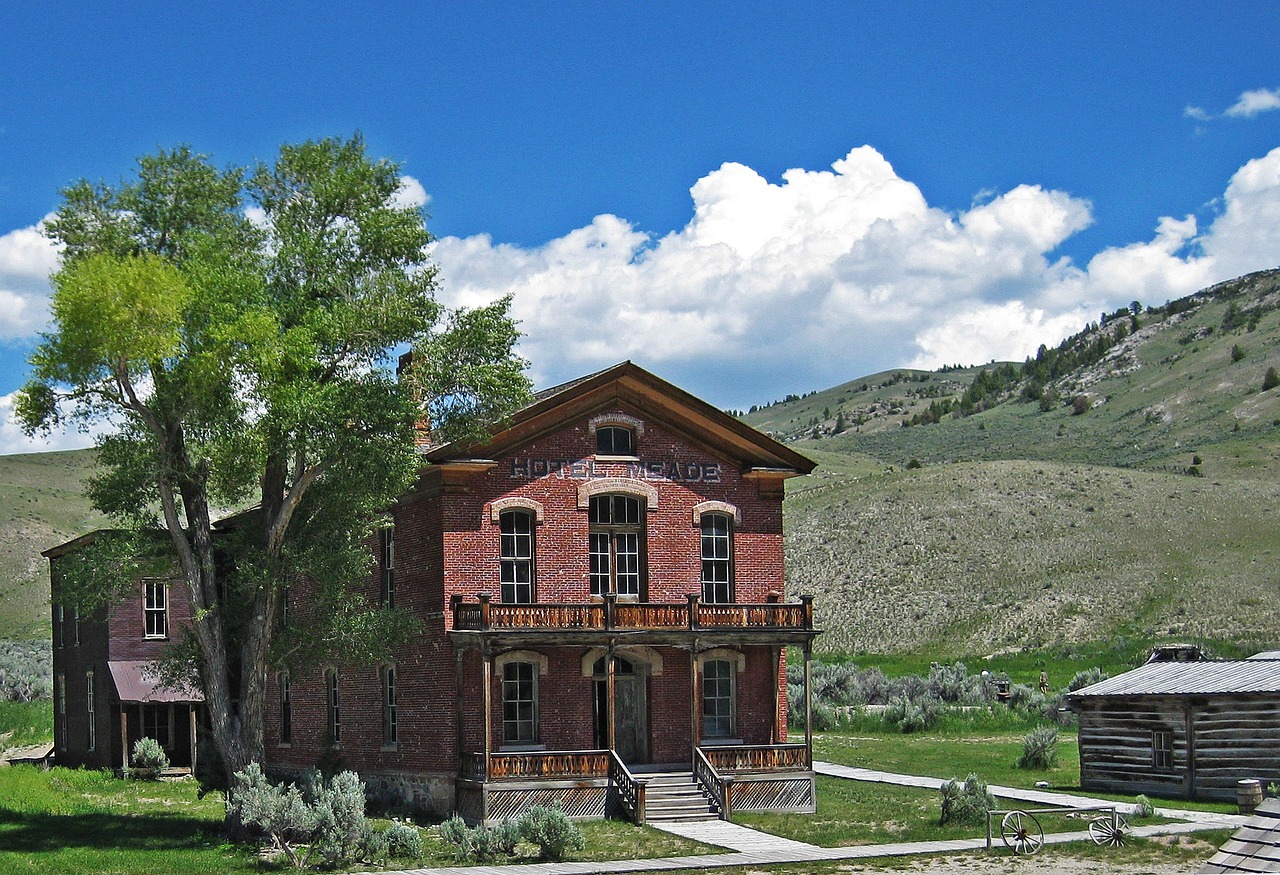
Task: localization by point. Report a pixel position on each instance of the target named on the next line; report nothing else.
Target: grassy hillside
(42, 503)
(1051, 525)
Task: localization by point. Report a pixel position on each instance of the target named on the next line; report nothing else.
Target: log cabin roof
(1208, 677)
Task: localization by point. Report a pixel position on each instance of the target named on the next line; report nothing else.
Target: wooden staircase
(675, 796)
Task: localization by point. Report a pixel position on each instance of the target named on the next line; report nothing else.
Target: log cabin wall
(1213, 742)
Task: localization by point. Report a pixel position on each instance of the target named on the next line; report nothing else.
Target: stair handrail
(630, 789)
(717, 786)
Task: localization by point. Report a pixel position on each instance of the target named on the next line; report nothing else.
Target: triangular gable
(631, 386)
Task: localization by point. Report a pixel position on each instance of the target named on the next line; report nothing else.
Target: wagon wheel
(1104, 831)
(1022, 832)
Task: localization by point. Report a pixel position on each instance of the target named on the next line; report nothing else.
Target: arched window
(517, 556)
(617, 545)
(615, 440)
(717, 698)
(717, 558)
(519, 703)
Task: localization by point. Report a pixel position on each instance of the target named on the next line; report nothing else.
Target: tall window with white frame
(717, 558)
(75, 619)
(717, 698)
(516, 562)
(334, 709)
(388, 550)
(59, 635)
(62, 711)
(286, 709)
(390, 727)
(155, 608)
(519, 703)
(617, 545)
(89, 712)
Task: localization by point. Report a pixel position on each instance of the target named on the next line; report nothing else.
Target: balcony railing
(484, 615)
(758, 757)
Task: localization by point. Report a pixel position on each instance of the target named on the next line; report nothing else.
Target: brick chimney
(422, 426)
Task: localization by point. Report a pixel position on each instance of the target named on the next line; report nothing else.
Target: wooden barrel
(1248, 795)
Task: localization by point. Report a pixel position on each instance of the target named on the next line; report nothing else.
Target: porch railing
(717, 786)
(630, 790)
(485, 615)
(758, 757)
(566, 764)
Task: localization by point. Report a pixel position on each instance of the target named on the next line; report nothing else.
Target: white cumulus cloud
(27, 258)
(1250, 103)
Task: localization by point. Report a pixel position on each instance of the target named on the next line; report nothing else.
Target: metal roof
(1267, 654)
(1255, 847)
(1190, 679)
(136, 681)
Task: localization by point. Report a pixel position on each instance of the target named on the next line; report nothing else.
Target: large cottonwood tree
(237, 328)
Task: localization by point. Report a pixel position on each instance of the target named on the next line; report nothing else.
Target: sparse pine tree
(1271, 379)
(1237, 354)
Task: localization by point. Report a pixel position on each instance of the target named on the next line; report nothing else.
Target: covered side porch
(145, 708)
(606, 720)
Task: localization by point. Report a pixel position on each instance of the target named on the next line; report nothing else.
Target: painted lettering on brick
(585, 469)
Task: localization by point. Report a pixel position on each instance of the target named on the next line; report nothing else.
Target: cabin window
(1162, 749)
(390, 729)
(717, 558)
(519, 703)
(58, 614)
(155, 608)
(616, 548)
(286, 710)
(89, 712)
(62, 711)
(614, 440)
(333, 706)
(517, 556)
(387, 549)
(717, 698)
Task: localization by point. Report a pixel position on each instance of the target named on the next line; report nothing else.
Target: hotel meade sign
(675, 471)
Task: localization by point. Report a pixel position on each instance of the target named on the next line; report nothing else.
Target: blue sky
(962, 181)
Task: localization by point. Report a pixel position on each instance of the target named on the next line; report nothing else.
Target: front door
(631, 710)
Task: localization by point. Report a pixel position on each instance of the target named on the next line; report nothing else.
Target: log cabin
(1188, 730)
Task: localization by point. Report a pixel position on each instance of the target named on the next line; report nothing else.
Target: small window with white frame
(90, 712)
(388, 550)
(334, 706)
(390, 718)
(155, 609)
(286, 709)
(1161, 749)
(615, 440)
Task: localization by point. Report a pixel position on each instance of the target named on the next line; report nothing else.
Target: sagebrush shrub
(909, 715)
(404, 840)
(148, 758)
(1086, 678)
(339, 819)
(328, 814)
(1039, 749)
(966, 803)
(552, 831)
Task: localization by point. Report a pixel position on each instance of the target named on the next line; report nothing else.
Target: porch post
(191, 730)
(808, 703)
(124, 736)
(487, 677)
(777, 731)
(610, 729)
(695, 703)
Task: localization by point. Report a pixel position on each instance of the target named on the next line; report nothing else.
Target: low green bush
(552, 831)
(1039, 749)
(1143, 807)
(965, 803)
(148, 759)
(404, 841)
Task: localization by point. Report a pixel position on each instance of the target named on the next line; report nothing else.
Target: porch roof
(136, 681)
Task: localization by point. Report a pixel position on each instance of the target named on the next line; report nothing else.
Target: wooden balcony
(793, 621)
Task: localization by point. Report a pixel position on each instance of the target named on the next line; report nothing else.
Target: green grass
(65, 820)
(25, 723)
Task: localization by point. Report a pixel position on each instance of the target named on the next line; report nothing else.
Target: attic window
(615, 440)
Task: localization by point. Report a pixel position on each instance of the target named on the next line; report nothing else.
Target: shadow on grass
(43, 833)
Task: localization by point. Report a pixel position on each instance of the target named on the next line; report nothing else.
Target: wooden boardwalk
(749, 847)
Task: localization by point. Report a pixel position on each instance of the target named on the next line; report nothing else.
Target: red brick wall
(447, 543)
